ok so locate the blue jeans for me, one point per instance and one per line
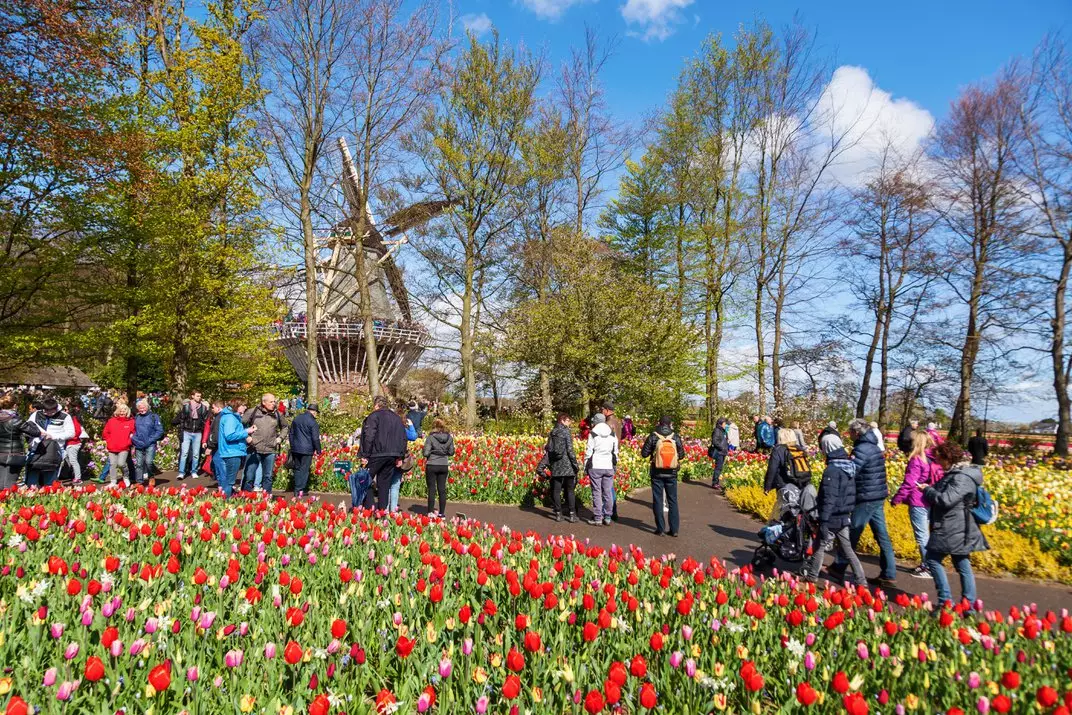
(396, 489)
(191, 445)
(226, 471)
(143, 463)
(873, 514)
(720, 462)
(259, 468)
(963, 566)
(359, 488)
(41, 477)
(921, 528)
(667, 486)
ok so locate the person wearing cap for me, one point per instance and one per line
(600, 460)
(46, 452)
(304, 436)
(718, 449)
(831, 428)
(835, 503)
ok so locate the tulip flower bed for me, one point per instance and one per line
(1033, 534)
(181, 602)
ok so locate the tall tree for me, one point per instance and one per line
(470, 147)
(637, 221)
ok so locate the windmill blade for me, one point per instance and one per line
(398, 286)
(415, 215)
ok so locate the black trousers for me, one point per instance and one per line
(382, 470)
(557, 484)
(301, 472)
(435, 475)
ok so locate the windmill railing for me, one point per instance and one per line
(382, 331)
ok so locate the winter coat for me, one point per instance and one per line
(870, 469)
(13, 433)
(904, 439)
(917, 472)
(978, 448)
(193, 418)
(231, 435)
(438, 449)
(59, 426)
(383, 434)
(304, 434)
(837, 491)
(118, 434)
(79, 431)
(953, 528)
(628, 429)
(720, 443)
(46, 455)
(105, 408)
(270, 426)
(780, 469)
(764, 435)
(147, 430)
(733, 436)
(649, 449)
(602, 449)
(829, 430)
(561, 455)
(417, 418)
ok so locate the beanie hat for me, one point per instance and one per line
(599, 419)
(830, 444)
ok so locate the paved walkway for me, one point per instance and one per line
(710, 526)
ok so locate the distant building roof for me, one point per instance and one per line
(46, 376)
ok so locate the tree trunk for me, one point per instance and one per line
(680, 251)
(711, 361)
(311, 317)
(1057, 354)
(884, 363)
(865, 386)
(545, 396)
(761, 363)
(468, 371)
(958, 425)
(372, 362)
(776, 343)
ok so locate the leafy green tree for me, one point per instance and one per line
(638, 223)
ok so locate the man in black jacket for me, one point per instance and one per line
(978, 448)
(718, 450)
(660, 447)
(561, 459)
(871, 494)
(904, 439)
(192, 417)
(383, 445)
(304, 436)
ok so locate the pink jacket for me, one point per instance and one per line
(917, 472)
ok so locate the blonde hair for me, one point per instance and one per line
(787, 437)
(122, 410)
(921, 442)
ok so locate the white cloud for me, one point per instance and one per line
(477, 24)
(869, 119)
(656, 18)
(550, 9)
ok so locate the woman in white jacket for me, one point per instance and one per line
(600, 460)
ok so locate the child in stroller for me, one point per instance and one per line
(790, 535)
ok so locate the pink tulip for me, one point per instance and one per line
(150, 626)
(137, 646)
(397, 618)
(861, 650)
(66, 689)
(224, 581)
(195, 614)
(686, 633)
(467, 646)
(192, 673)
(87, 618)
(884, 650)
(983, 704)
(50, 678)
(482, 705)
(107, 610)
(218, 681)
(690, 668)
(131, 615)
(423, 703)
(269, 650)
(233, 659)
(116, 649)
(71, 651)
(445, 668)
(809, 661)
(243, 628)
(56, 630)
(207, 619)
(676, 658)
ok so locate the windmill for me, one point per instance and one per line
(400, 340)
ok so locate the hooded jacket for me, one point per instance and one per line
(917, 472)
(904, 439)
(649, 449)
(870, 469)
(953, 528)
(147, 429)
(118, 434)
(231, 435)
(720, 443)
(837, 491)
(602, 449)
(561, 455)
(438, 449)
(13, 433)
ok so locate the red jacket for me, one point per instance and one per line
(77, 439)
(118, 434)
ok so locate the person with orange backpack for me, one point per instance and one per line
(666, 451)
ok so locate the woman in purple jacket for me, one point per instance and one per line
(921, 470)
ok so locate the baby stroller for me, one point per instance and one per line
(790, 537)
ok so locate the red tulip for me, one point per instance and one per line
(806, 694)
(292, 653)
(532, 642)
(160, 676)
(94, 669)
(512, 687)
(840, 683)
(17, 706)
(384, 700)
(1011, 679)
(515, 661)
(593, 702)
(648, 698)
(320, 705)
(638, 666)
(404, 646)
(338, 628)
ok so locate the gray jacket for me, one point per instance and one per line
(271, 427)
(953, 528)
(438, 449)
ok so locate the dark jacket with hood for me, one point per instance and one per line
(870, 469)
(837, 491)
(904, 439)
(383, 434)
(304, 434)
(720, 443)
(780, 470)
(953, 528)
(192, 417)
(649, 449)
(560, 453)
(438, 449)
(13, 433)
(148, 429)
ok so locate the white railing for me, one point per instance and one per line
(382, 331)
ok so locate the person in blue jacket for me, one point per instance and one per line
(396, 478)
(232, 440)
(148, 430)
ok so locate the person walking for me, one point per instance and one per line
(192, 418)
(978, 448)
(147, 432)
(438, 449)
(118, 435)
(13, 434)
(718, 449)
(562, 461)
(232, 440)
(383, 445)
(46, 454)
(73, 447)
(665, 449)
(835, 502)
(600, 461)
(904, 438)
(921, 470)
(787, 464)
(304, 438)
(260, 461)
(871, 494)
(764, 434)
(954, 530)
(396, 476)
(616, 426)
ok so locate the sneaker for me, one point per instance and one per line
(556, 516)
(606, 522)
(673, 534)
(657, 533)
(882, 582)
(595, 522)
(573, 519)
(126, 482)
(181, 477)
(920, 572)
